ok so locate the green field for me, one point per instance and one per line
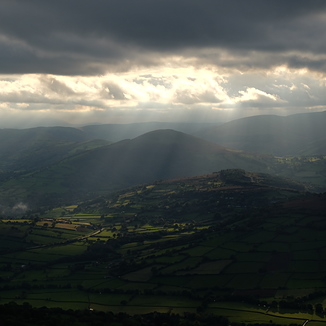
(140, 257)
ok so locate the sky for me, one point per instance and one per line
(85, 62)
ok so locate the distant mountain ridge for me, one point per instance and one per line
(117, 132)
(33, 148)
(52, 164)
(297, 135)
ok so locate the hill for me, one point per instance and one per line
(218, 193)
(30, 149)
(153, 156)
(27, 150)
(297, 135)
(23, 150)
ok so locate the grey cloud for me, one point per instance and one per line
(188, 97)
(315, 64)
(112, 91)
(72, 37)
(56, 86)
(153, 80)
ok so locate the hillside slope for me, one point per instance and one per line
(30, 149)
(156, 155)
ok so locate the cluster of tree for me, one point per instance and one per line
(300, 305)
(13, 314)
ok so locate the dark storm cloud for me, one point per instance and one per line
(88, 37)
